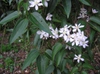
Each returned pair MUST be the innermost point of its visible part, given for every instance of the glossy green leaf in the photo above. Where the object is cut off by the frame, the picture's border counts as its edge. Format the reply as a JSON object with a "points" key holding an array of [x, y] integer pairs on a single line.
{"points": [[10, 17], [85, 2], [67, 7], [48, 53], [37, 19], [74, 69], [56, 49], [95, 26], [50, 69], [19, 29], [30, 58], [52, 5], [42, 63], [95, 19]]}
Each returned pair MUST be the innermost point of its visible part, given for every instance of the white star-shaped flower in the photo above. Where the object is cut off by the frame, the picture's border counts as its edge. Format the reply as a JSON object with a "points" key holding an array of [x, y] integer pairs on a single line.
{"points": [[48, 17], [78, 58], [77, 27], [35, 3]]}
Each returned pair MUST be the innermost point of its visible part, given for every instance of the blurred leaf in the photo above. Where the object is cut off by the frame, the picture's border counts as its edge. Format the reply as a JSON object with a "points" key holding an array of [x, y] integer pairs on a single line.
{"points": [[95, 26], [10, 2], [42, 63], [10, 17], [52, 5], [95, 19], [37, 19], [56, 49], [30, 58], [19, 30], [84, 72], [50, 69], [87, 66], [74, 69], [67, 7], [85, 2], [48, 53], [66, 71]]}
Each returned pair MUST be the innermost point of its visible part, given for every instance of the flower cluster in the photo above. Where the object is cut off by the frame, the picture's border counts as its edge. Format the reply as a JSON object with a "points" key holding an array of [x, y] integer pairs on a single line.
{"points": [[71, 34]]}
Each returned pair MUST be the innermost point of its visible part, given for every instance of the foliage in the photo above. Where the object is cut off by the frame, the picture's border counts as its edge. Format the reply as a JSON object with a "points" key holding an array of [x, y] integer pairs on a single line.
{"points": [[52, 52]]}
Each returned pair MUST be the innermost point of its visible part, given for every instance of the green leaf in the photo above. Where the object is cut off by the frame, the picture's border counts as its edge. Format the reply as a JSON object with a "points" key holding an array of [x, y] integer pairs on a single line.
{"points": [[85, 2], [91, 37], [56, 49], [37, 19], [19, 30], [67, 7], [48, 53], [30, 58], [63, 64], [52, 5], [84, 72], [95, 19], [36, 39], [50, 69], [74, 69], [42, 63], [95, 26], [60, 56], [10, 17], [87, 66]]}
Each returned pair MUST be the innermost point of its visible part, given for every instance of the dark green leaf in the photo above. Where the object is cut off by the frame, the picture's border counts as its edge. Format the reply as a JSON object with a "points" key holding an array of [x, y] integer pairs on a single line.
{"points": [[95, 26], [59, 56], [36, 39], [19, 29], [42, 63], [10, 17], [56, 49], [30, 58], [52, 5], [48, 53], [95, 19], [67, 7], [50, 69], [85, 2], [37, 19]]}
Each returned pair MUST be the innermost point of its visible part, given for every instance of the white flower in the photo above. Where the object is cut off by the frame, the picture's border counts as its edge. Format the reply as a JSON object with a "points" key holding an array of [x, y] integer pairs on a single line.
{"points": [[94, 11], [46, 3], [83, 13], [78, 58], [77, 27], [48, 17], [55, 34], [84, 43], [43, 34], [35, 4], [68, 47]]}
